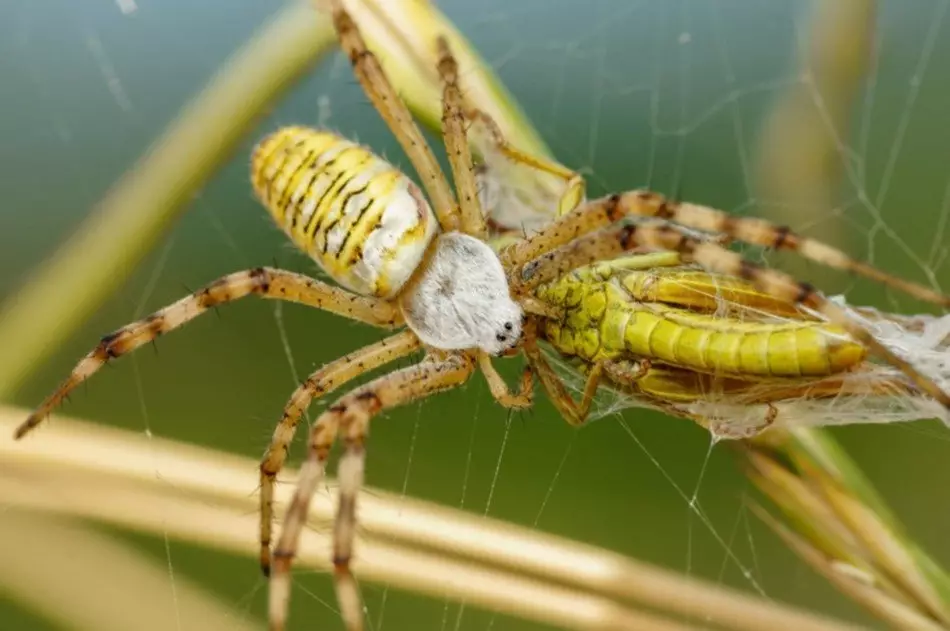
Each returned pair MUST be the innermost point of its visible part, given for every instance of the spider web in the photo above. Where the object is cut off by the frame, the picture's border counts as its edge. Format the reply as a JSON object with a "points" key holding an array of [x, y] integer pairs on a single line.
{"points": [[673, 95]]}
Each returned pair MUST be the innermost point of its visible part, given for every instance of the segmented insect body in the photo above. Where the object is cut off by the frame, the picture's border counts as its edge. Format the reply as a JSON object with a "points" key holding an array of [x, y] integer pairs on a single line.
{"points": [[641, 314], [714, 349], [361, 219]]}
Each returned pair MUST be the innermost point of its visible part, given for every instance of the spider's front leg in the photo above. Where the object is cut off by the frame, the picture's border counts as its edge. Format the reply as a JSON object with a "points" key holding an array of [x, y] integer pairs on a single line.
{"points": [[700, 221], [394, 112], [350, 418], [456, 145]]}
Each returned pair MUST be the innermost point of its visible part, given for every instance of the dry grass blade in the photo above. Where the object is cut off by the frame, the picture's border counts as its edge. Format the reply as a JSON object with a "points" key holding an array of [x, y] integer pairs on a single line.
{"points": [[835, 520], [57, 583], [835, 525], [851, 580], [205, 497]]}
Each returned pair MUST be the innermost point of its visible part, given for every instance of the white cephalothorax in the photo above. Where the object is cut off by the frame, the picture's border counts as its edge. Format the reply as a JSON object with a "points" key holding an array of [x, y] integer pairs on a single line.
{"points": [[462, 300]]}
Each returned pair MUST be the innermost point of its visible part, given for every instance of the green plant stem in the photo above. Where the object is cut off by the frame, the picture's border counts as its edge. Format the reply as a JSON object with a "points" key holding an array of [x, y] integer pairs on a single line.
{"points": [[136, 213]]}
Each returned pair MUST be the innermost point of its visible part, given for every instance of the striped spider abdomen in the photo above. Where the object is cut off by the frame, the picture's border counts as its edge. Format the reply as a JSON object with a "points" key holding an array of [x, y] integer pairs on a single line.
{"points": [[361, 219]]}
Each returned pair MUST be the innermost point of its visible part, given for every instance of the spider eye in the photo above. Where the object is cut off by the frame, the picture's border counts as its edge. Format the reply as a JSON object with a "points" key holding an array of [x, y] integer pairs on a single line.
{"points": [[509, 326], [500, 337]]}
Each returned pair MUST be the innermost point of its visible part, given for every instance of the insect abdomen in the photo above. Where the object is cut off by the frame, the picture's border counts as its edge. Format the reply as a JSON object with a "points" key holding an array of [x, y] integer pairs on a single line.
{"points": [[732, 347], [602, 321], [365, 222]]}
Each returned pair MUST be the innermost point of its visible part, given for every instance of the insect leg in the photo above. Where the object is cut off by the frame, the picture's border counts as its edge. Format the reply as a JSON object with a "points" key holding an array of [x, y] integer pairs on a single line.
{"points": [[573, 412], [574, 182]]}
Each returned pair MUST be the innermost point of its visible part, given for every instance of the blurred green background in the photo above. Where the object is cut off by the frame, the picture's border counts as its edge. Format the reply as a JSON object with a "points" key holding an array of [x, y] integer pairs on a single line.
{"points": [[668, 94]]}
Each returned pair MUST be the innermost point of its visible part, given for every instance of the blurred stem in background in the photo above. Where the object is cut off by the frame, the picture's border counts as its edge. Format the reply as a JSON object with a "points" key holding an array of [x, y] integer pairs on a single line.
{"points": [[56, 583], [835, 521], [834, 518], [144, 204], [801, 155]]}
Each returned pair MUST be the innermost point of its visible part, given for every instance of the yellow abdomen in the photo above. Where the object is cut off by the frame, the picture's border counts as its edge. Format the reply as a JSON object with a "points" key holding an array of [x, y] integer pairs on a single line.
{"points": [[364, 221]]}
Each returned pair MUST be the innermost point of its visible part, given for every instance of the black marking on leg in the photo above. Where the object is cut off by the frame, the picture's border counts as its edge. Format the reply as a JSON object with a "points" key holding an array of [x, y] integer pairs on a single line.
{"points": [[683, 245], [204, 298], [156, 324], [806, 293], [612, 207], [108, 339], [781, 236], [368, 395], [341, 562], [748, 271], [261, 279], [627, 237]]}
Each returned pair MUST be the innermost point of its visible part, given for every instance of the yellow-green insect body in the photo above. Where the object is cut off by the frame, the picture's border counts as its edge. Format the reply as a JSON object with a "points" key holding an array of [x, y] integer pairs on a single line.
{"points": [[361, 219], [662, 318], [708, 347]]}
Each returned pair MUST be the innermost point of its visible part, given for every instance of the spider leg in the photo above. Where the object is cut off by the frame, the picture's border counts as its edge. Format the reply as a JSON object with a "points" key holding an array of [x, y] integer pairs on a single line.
{"points": [[350, 417], [266, 282], [592, 216], [394, 112], [327, 379], [609, 243], [764, 233], [600, 213], [520, 400], [456, 145]]}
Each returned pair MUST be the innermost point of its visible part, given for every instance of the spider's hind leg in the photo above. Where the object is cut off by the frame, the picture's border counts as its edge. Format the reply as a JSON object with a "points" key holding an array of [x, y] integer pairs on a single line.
{"points": [[266, 282], [350, 417], [326, 379]]}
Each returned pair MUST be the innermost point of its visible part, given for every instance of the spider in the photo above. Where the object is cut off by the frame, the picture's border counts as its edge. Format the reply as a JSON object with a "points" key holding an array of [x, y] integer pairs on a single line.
{"points": [[402, 262]]}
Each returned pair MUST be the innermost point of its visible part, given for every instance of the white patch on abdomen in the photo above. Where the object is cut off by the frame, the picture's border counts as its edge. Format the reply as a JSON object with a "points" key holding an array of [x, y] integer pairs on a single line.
{"points": [[390, 253]]}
